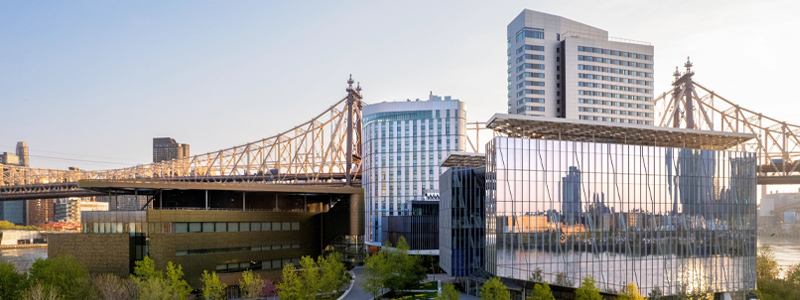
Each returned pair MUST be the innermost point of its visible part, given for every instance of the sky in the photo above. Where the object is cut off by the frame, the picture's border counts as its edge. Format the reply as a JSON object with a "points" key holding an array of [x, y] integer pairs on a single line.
{"points": [[90, 83]]}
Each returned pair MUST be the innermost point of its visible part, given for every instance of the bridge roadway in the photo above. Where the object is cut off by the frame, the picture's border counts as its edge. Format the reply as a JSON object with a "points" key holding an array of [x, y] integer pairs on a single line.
{"points": [[71, 189]]}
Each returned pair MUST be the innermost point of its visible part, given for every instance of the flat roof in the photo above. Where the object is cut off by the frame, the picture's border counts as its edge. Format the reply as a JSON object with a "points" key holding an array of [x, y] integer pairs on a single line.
{"points": [[105, 185], [618, 133], [464, 159]]}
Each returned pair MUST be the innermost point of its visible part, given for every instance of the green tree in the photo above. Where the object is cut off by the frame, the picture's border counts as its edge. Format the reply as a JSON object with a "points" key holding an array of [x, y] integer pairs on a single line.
{"points": [[146, 269], [174, 275], [310, 276], [154, 284], [630, 292], [793, 275], [332, 272], [393, 269], [65, 274], [376, 271], [655, 294], [449, 292], [493, 289], [291, 288], [562, 280], [213, 289], [251, 285], [12, 283], [588, 291], [155, 288], [536, 276], [766, 265], [542, 292]]}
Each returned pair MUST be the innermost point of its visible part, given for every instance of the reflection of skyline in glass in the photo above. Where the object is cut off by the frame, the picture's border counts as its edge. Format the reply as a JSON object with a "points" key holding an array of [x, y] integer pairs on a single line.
{"points": [[571, 196], [656, 216]]}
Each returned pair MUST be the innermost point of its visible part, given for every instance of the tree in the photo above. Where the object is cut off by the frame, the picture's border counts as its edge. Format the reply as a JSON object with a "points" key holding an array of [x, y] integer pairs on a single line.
{"points": [[310, 276], [213, 289], [655, 294], [766, 265], [12, 283], [588, 291], [392, 269], [64, 274], [155, 288], [269, 289], [542, 292], [332, 272], [493, 289], [562, 280], [145, 269], [449, 292], [40, 292], [376, 271], [536, 276], [793, 274], [180, 288], [630, 292], [291, 287], [251, 285], [111, 287], [154, 284]]}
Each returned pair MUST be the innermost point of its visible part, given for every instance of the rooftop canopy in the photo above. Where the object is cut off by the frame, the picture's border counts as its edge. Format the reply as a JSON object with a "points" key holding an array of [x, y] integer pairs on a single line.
{"points": [[617, 133], [464, 159]]}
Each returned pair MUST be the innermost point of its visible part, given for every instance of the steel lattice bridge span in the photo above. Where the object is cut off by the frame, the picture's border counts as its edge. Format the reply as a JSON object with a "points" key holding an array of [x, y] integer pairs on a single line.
{"points": [[327, 148], [323, 150]]}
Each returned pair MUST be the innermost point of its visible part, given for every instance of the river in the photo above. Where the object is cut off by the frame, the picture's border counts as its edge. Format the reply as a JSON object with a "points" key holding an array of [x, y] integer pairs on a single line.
{"points": [[22, 259], [787, 252]]}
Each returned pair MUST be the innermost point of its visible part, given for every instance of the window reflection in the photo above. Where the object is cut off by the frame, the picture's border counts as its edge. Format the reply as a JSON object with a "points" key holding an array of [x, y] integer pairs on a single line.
{"points": [[666, 218]]}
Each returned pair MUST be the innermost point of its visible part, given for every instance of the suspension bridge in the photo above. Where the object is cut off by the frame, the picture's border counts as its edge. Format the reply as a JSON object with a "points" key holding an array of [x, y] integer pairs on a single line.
{"points": [[327, 148]]}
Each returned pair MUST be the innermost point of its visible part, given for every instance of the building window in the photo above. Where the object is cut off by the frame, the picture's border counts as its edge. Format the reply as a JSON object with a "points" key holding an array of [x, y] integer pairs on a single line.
{"points": [[527, 32]]}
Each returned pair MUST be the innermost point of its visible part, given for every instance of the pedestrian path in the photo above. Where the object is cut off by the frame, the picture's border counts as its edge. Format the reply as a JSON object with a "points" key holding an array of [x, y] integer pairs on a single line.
{"points": [[357, 293]]}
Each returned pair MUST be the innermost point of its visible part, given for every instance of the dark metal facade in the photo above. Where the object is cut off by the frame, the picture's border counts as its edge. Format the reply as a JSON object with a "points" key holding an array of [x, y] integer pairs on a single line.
{"points": [[462, 230]]}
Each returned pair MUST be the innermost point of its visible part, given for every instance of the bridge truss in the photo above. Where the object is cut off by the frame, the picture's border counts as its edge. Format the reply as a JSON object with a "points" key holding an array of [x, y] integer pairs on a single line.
{"points": [[692, 105], [326, 148]]}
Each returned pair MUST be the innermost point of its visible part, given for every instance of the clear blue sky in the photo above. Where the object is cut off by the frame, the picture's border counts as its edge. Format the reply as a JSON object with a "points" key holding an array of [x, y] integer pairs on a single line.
{"points": [[96, 81]]}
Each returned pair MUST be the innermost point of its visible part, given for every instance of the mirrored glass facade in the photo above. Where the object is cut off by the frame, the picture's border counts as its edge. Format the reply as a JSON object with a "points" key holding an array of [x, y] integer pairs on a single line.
{"points": [[673, 219]]}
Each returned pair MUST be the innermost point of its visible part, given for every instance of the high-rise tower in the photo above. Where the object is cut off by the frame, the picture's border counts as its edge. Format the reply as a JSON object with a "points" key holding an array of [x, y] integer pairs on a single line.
{"points": [[561, 68], [404, 143]]}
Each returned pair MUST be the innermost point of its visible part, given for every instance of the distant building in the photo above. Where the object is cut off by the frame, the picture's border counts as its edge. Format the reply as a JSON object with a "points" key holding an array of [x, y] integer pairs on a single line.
{"points": [[69, 209], [166, 148], [125, 202], [403, 144], [39, 211], [571, 203], [18, 159], [22, 153], [561, 68], [15, 211]]}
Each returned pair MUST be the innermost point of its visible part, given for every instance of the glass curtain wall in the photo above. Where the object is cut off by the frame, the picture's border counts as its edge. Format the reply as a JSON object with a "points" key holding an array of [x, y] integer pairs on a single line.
{"points": [[669, 219]]}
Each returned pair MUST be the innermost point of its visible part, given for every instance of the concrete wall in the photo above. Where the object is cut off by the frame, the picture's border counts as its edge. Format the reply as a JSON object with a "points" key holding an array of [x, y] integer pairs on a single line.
{"points": [[100, 253]]}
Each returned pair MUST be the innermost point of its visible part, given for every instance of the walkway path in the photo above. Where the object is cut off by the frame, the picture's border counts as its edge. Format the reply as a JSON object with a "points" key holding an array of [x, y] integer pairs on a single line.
{"points": [[357, 293]]}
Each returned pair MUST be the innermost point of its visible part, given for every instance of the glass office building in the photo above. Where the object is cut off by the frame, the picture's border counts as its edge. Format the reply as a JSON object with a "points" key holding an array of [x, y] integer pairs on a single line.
{"points": [[403, 144], [676, 220]]}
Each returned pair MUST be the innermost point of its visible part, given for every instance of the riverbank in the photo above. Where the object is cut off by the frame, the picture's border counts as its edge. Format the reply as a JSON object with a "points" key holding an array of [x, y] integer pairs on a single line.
{"points": [[22, 259]]}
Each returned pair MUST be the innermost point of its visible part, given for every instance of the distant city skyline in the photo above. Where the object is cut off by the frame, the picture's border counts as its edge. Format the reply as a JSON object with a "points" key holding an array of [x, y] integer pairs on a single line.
{"points": [[90, 85]]}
